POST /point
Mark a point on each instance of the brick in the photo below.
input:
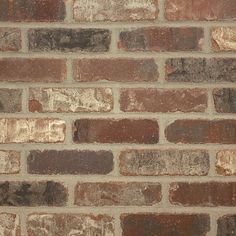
(210, 194)
(163, 100)
(44, 193)
(225, 100)
(69, 40)
(9, 162)
(202, 131)
(10, 39)
(153, 162)
(70, 100)
(116, 131)
(10, 100)
(113, 10)
(37, 130)
(70, 162)
(200, 70)
(32, 10)
(150, 224)
(115, 69)
(70, 224)
(200, 10)
(32, 70)
(161, 39)
(226, 225)
(226, 162)
(223, 38)
(9, 224)
(117, 194)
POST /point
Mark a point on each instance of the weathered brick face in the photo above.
(117, 117)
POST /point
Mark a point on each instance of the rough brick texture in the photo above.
(9, 224)
(203, 194)
(70, 224)
(164, 162)
(117, 194)
(126, 131)
(32, 10)
(114, 10)
(153, 100)
(70, 100)
(161, 39)
(117, 117)
(119, 70)
(164, 224)
(200, 10)
(70, 162)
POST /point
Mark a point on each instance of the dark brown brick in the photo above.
(164, 162)
(47, 193)
(69, 40)
(199, 70)
(200, 9)
(70, 162)
(10, 100)
(117, 194)
(202, 131)
(203, 194)
(165, 224)
(163, 100)
(32, 10)
(161, 39)
(70, 224)
(115, 69)
(116, 131)
(226, 225)
(10, 39)
(32, 70)
(225, 100)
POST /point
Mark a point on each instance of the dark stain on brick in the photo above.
(226, 225)
(32, 194)
(200, 70)
(69, 40)
(70, 162)
(225, 100)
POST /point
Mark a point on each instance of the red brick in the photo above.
(9, 162)
(150, 224)
(32, 10)
(163, 100)
(9, 224)
(70, 99)
(202, 131)
(117, 194)
(116, 131)
(37, 130)
(70, 224)
(32, 70)
(154, 162)
(10, 39)
(203, 194)
(200, 9)
(115, 10)
(162, 39)
(223, 38)
(115, 69)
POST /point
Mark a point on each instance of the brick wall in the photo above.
(117, 117)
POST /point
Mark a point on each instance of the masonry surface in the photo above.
(118, 117)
